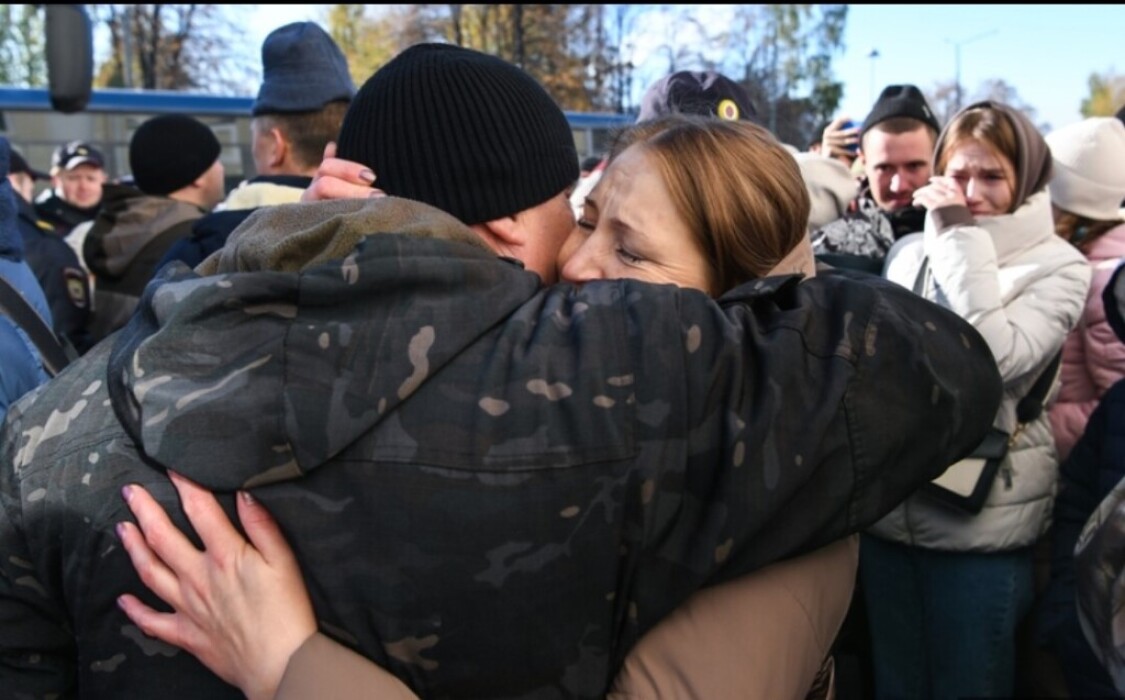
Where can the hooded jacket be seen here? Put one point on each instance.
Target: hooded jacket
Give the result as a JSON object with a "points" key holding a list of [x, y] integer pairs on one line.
{"points": [[132, 232], [1023, 288], [495, 488]]}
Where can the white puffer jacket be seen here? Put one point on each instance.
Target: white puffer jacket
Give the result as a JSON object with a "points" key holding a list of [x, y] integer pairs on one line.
{"points": [[1023, 288]]}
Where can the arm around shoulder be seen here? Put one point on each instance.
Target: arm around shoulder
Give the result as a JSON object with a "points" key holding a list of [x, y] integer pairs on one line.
{"points": [[925, 393]]}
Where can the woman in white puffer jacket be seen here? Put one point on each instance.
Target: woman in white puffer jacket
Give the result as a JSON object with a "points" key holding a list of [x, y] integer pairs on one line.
{"points": [[945, 589]]}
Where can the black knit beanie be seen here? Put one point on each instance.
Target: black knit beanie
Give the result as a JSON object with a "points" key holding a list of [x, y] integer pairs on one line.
{"points": [[460, 130], [901, 101], [170, 151]]}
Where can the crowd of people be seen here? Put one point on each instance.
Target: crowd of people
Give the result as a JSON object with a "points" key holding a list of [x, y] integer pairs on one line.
{"points": [[429, 407]]}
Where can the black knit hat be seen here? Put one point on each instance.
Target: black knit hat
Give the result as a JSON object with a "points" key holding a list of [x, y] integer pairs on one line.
{"points": [[460, 130], [302, 71], [707, 93], [901, 101], [170, 151]]}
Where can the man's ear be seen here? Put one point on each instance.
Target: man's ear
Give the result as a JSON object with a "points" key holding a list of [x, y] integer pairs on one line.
{"points": [[279, 147], [505, 233]]}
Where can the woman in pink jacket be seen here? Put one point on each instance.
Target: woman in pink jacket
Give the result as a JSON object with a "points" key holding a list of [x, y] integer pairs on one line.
{"points": [[1086, 196]]}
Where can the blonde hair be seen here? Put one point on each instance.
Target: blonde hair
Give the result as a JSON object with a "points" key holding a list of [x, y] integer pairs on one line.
{"points": [[1081, 231], [737, 188]]}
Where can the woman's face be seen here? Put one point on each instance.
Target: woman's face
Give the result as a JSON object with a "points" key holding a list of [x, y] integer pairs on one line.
{"points": [[984, 177], [630, 229]]}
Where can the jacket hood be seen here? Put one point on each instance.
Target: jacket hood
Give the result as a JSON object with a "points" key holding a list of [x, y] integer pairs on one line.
{"points": [[127, 222], [1033, 169], [277, 333]]}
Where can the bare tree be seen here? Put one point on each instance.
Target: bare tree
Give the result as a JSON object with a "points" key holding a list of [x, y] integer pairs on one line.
{"points": [[943, 98], [175, 47], [783, 54], [22, 49]]}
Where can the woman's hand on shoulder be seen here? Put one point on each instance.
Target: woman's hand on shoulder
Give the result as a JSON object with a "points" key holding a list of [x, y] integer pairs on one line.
{"points": [[240, 607], [337, 178]]}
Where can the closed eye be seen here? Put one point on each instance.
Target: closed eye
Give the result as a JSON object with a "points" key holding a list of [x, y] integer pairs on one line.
{"points": [[629, 257]]}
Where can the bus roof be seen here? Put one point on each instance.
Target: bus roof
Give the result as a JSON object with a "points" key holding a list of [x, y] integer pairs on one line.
{"points": [[115, 100]]}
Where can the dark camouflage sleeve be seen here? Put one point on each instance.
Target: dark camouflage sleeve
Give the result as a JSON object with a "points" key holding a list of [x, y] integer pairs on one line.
{"points": [[37, 648], [840, 398]]}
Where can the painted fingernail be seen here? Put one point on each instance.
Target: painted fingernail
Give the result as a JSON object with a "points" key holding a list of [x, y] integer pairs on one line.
{"points": [[367, 176], [119, 528], [121, 602], [127, 492], [247, 498]]}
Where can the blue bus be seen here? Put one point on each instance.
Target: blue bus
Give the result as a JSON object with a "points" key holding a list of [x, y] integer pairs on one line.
{"points": [[112, 115]]}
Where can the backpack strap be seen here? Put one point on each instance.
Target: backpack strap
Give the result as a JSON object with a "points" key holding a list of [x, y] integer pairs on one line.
{"points": [[53, 354]]}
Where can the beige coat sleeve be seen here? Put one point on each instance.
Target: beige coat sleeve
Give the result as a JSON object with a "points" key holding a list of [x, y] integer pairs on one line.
{"points": [[766, 634]]}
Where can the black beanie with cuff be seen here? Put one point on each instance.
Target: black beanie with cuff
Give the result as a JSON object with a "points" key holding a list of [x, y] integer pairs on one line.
{"points": [[460, 130]]}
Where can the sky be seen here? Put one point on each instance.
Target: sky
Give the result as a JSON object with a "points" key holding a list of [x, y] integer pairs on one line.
{"points": [[1046, 52]]}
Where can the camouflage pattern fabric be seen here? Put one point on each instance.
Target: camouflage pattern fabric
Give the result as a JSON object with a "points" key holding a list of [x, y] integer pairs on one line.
{"points": [[861, 238], [1098, 564], [494, 488]]}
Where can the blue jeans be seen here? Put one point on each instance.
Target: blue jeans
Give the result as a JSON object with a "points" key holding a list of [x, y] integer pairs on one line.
{"points": [[943, 624]]}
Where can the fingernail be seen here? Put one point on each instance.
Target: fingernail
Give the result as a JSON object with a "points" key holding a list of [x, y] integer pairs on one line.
{"points": [[127, 492], [120, 601], [367, 176], [119, 528], [376, 193], [247, 498]]}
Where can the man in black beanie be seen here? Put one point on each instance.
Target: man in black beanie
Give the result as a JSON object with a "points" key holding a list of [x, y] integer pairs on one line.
{"points": [[300, 106], [178, 176], [494, 487], [896, 147]]}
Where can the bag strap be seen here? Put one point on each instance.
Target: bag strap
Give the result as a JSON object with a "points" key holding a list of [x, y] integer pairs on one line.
{"points": [[920, 280], [53, 354], [1031, 405]]}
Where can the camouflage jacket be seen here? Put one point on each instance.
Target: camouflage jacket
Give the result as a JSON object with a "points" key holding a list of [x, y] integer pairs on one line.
{"points": [[494, 488], [861, 238]]}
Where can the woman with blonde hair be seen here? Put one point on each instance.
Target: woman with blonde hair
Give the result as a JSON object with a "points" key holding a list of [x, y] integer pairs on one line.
{"points": [[945, 588]]}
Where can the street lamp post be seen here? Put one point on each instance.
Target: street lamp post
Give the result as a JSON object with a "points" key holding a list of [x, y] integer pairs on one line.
{"points": [[957, 62], [872, 54]]}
